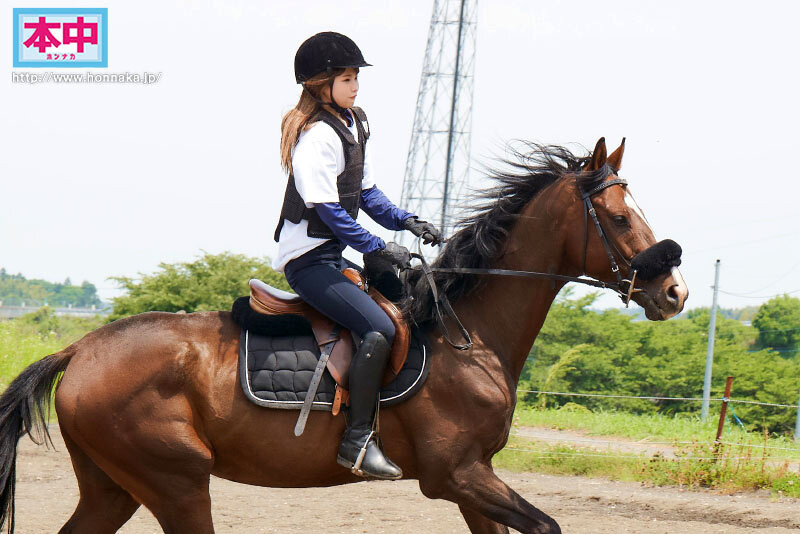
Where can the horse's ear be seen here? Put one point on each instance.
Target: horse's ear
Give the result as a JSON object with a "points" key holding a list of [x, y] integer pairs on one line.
{"points": [[598, 156], [615, 159]]}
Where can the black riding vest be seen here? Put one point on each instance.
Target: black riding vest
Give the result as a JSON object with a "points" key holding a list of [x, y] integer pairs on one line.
{"points": [[348, 183]]}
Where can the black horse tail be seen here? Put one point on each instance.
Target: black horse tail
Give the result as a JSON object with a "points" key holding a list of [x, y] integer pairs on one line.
{"points": [[24, 409]]}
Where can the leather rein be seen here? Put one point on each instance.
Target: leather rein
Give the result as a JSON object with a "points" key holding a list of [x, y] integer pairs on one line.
{"points": [[623, 287]]}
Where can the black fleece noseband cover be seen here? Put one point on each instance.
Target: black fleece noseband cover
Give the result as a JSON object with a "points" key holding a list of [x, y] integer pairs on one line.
{"points": [[657, 259]]}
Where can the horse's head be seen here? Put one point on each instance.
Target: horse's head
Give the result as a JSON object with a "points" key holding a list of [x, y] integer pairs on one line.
{"points": [[629, 241], [544, 215]]}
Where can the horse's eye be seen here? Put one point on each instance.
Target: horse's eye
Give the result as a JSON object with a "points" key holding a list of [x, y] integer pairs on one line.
{"points": [[621, 221]]}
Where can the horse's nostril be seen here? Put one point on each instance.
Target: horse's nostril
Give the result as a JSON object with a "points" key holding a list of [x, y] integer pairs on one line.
{"points": [[677, 294], [672, 293]]}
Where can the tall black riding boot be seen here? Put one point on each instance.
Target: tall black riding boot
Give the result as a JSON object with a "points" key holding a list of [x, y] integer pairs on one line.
{"points": [[359, 450]]}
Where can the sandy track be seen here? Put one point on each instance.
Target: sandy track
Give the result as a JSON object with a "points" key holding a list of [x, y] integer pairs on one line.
{"points": [[47, 494]]}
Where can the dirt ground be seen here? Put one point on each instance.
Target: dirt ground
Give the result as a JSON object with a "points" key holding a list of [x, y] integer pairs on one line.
{"points": [[47, 494]]}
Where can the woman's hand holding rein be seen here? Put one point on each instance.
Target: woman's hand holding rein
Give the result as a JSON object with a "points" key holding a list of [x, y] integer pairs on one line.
{"points": [[427, 231]]}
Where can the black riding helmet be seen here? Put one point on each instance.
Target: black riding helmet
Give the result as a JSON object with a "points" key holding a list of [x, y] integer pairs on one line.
{"points": [[324, 52]]}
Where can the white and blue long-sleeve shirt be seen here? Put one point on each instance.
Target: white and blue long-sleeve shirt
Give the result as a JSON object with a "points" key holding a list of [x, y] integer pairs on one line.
{"points": [[317, 160]]}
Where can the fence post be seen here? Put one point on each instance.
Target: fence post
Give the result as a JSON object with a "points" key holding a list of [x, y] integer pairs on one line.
{"points": [[722, 412], [797, 423]]}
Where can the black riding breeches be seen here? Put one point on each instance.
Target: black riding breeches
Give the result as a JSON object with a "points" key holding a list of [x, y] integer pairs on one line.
{"points": [[316, 276]]}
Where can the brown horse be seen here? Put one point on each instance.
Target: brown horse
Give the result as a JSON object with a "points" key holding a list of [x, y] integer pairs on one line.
{"points": [[150, 406]]}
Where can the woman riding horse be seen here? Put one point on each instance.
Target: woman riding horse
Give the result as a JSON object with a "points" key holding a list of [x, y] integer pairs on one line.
{"points": [[150, 406], [324, 150]]}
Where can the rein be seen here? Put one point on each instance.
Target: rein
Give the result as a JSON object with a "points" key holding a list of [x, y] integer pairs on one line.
{"points": [[623, 287]]}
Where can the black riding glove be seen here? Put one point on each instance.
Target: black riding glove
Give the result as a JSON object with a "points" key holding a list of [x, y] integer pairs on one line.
{"points": [[428, 232], [393, 254]]}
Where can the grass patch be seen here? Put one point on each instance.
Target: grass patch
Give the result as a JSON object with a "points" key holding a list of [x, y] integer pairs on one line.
{"points": [[729, 468], [33, 336], [653, 427], [531, 456]]}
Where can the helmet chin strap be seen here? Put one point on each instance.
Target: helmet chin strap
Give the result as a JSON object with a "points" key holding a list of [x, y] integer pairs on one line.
{"points": [[336, 107]]}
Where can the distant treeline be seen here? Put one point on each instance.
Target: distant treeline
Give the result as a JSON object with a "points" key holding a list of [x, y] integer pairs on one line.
{"points": [[740, 314], [580, 350], [15, 289]]}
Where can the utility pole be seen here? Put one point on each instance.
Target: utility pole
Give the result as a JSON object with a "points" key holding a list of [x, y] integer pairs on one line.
{"points": [[712, 326], [797, 423]]}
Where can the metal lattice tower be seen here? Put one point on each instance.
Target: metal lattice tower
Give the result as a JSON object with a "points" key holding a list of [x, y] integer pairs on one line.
{"points": [[437, 168]]}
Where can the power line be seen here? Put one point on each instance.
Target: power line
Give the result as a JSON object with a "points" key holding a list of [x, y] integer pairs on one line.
{"points": [[738, 243], [740, 222], [746, 296], [774, 281]]}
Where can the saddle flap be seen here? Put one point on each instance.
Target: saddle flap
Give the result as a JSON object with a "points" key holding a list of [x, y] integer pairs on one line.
{"points": [[402, 335], [276, 371], [269, 300]]}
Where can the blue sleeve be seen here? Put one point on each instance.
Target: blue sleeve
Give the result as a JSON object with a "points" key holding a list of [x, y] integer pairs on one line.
{"points": [[346, 229], [376, 205]]}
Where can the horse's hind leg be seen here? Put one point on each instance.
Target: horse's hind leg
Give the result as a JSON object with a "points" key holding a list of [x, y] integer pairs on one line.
{"points": [[103, 505], [168, 468], [182, 505], [479, 523]]}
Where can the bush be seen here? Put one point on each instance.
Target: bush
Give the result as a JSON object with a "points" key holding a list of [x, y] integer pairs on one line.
{"points": [[212, 282]]}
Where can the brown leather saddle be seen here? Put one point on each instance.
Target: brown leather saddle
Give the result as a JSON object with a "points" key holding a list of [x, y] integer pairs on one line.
{"points": [[269, 300]]}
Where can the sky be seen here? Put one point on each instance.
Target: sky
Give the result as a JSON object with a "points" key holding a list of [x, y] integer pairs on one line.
{"points": [[103, 180]]}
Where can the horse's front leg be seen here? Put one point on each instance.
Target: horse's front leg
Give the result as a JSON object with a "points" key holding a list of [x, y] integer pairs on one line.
{"points": [[475, 487], [479, 523]]}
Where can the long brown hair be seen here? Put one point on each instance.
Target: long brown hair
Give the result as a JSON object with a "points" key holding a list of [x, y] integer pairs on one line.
{"points": [[297, 119]]}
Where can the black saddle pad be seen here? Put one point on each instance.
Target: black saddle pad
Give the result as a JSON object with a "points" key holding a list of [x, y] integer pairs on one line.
{"points": [[275, 372]]}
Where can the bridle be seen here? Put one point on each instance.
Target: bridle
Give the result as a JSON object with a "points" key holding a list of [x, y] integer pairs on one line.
{"points": [[590, 211], [623, 287]]}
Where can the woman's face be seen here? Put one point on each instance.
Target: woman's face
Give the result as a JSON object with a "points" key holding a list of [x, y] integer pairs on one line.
{"points": [[345, 88]]}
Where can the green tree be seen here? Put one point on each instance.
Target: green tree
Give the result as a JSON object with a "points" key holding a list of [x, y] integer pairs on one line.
{"points": [[581, 350], [778, 324], [212, 282], [88, 295]]}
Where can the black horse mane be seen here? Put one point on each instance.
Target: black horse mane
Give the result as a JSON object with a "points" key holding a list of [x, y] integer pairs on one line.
{"points": [[484, 229]]}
